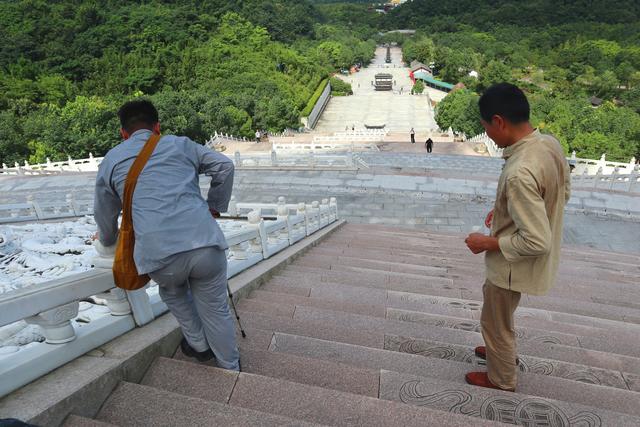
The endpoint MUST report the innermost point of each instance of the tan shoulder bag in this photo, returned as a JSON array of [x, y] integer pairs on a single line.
[[125, 273]]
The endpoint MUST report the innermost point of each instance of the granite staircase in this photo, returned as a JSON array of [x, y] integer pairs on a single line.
[[376, 326]]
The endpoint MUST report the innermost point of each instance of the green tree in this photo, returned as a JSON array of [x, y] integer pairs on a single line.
[[459, 110]]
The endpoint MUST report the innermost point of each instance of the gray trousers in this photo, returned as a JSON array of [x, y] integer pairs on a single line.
[[194, 287]]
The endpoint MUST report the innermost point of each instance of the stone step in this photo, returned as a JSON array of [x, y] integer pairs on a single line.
[[315, 372], [494, 405], [604, 367], [78, 421], [342, 298], [340, 333], [533, 330], [377, 265], [139, 405], [529, 328], [422, 302], [357, 294], [453, 371], [433, 300], [548, 365], [310, 280], [468, 278], [366, 309], [348, 255], [299, 401]]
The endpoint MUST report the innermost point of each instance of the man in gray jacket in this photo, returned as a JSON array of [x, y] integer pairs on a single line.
[[177, 240]]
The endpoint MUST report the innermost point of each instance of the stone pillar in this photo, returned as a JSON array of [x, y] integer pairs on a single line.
[[274, 158], [56, 323], [237, 160]]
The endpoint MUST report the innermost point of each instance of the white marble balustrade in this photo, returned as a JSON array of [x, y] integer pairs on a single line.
[[71, 327]]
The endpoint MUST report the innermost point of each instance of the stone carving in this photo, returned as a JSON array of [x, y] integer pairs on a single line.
[[411, 346], [540, 368], [56, 323], [530, 412]]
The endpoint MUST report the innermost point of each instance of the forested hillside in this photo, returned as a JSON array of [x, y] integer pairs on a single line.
[[230, 66], [561, 53], [235, 66]]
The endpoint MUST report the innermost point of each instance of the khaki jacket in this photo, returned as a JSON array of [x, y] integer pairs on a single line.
[[528, 215]]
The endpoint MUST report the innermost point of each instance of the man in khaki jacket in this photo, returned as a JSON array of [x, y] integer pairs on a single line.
[[523, 248]]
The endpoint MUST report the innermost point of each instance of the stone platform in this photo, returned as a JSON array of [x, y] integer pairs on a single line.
[[377, 325]]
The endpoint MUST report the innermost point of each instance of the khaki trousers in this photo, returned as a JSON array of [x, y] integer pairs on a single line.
[[499, 334]]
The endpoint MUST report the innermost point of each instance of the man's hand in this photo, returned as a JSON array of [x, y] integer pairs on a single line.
[[489, 219], [214, 213], [478, 243], [96, 236]]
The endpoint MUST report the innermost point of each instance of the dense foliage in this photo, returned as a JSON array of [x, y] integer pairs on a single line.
[[561, 53], [229, 66]]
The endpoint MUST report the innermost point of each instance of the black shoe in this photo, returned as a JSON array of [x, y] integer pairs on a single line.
[[201, 356]]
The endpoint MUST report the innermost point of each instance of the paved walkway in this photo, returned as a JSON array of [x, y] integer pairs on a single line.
[[398, 111]]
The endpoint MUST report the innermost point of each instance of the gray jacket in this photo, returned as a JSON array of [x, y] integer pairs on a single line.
[[170, 215]]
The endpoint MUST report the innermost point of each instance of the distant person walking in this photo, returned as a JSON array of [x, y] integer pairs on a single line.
[[413, 136], [258, 135], [429, 145], [178, 243], [522, 250]]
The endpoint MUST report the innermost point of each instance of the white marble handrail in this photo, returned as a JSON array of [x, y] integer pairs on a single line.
[[54, 305], [308, 160], [580, 166], [34, 210]]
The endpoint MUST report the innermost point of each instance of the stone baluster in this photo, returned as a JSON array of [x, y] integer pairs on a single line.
[[333, 203], [274, 158], [232, 209], [237, 159], [56, 323], [35, 206], [324, 212], [257, 244], [633, 179], [116, 301], [598, 177]]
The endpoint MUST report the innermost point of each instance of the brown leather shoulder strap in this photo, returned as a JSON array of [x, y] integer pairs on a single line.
[[132, 179]]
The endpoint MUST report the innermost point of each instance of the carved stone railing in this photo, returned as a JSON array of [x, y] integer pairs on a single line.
[[33, 210], [71, 327], [321, 147], [615, 181], [296, 161], [89, 164], [579, 166]]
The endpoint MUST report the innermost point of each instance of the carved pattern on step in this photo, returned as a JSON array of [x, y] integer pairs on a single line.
[[584, 377], [540, 368], [437, 351], [530, 412]]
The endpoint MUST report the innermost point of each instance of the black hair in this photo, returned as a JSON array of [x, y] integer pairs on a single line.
[[135, 113], [505, 100]]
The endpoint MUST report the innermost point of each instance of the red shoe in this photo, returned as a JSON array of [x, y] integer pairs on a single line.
[[481, 379], [481, 353]]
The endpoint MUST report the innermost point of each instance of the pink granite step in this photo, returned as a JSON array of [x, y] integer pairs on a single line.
[[453, 371], [139, 405], [78, 421], [494, 405], [299, 401]]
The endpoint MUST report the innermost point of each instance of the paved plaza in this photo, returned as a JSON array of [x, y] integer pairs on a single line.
[[397, 109]]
